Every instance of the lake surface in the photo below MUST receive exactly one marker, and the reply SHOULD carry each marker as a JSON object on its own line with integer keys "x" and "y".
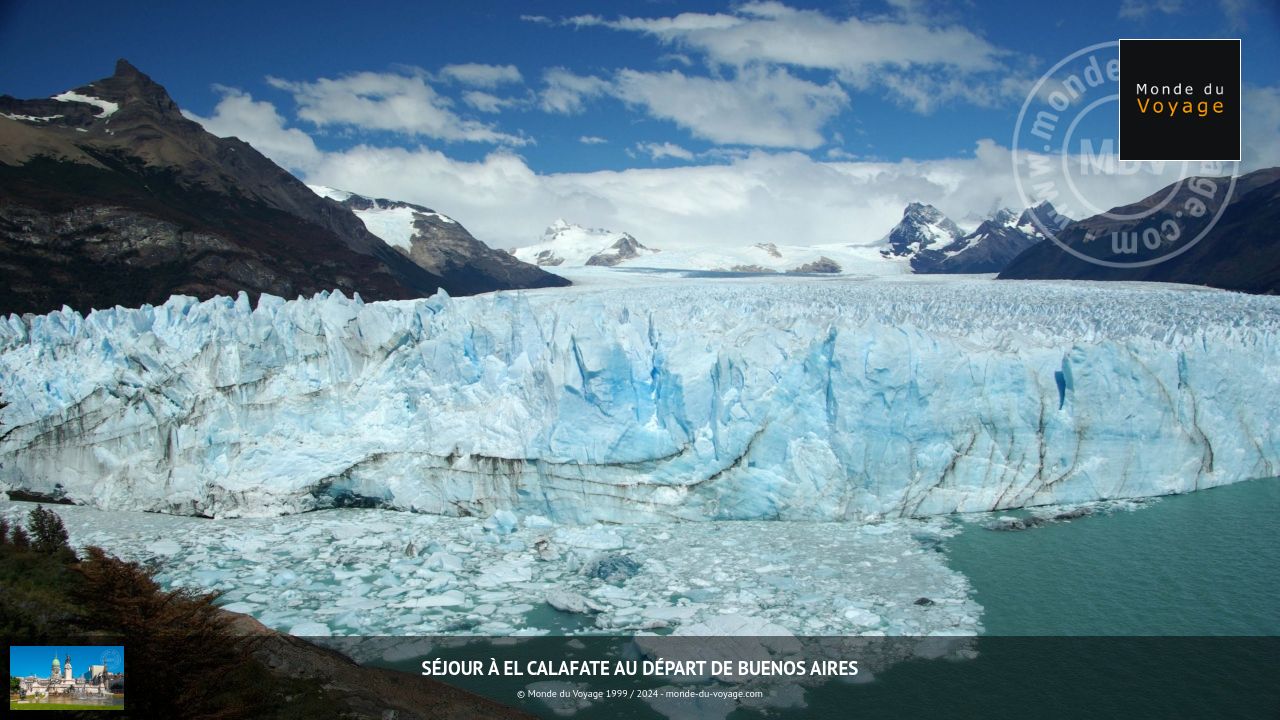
{"x": 1203, "y": 563}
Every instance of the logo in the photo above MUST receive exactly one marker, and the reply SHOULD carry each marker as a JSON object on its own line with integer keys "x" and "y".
{"x": 1065, "y": 152}
{"x": 112, "y": 658}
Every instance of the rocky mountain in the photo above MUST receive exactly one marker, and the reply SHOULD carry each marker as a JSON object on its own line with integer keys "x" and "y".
{"x": 569, "y": 245}
{"x": 935, "y": 244}
{"x": 108, "y": 195}
{"x": 922, "y": 227}
{"x": 440, "y": 244}
{"x": 993, "y": 244}
{"x": 1240, "y": 252}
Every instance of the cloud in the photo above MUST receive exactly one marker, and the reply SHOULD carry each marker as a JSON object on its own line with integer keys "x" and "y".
{"x": 759, "y": 106}
{"x": 389, "y": 102}
{"x": 565, "y": 92}
{"x": 1140, "y": 9}
{"x": 756, "y": 197}
{"x": 734, "y": 197}
{"x": 257, "y": 122}
{"x": 488, "y": 102}
{"x": 775, "y": 33}
{"x": 481, "y": 75}
{"x": 592, "y": 140}
{"x": 658, "y": 151}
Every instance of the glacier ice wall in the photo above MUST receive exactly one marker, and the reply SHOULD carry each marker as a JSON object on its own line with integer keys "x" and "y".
{"x": 788, "y": 399}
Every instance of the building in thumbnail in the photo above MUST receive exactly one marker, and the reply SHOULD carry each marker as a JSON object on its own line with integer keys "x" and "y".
{"x": 62, "y": 681}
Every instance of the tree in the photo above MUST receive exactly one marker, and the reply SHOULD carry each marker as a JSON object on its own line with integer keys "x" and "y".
{"x": 49, "y": 534}
{"x": 4, "y": 531}
{"x": 20, "y": 539}
{"x": 13, "y": 685}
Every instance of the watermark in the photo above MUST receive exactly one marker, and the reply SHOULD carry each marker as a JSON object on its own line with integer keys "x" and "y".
{"x": 1065, "y": 153}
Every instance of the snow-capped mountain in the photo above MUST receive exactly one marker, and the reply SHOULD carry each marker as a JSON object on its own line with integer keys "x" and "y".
{"x": 922, "y": 227}
{"x": 995, "y": 242}
{"x": 438, "y": 243}
{"x": 753, "y": 399}
{"x": 933, "y": 243}
{"x": 565, "y": 244}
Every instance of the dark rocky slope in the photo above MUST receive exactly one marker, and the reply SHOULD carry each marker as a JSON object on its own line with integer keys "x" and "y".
{"x": 112, "y": 197}
{"x": 1241, "y": 252}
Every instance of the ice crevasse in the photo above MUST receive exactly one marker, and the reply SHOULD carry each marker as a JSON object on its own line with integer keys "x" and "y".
{"x": 779, "y": 399}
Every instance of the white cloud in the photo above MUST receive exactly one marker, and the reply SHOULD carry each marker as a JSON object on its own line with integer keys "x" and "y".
{"x": 481, "y": 75}
{"x": 592, "y": 140}
{"x": 488, "y": 102}
{"x": 388, "y": 101}
{"x": 759, "y": 106}
{"x": 921, "y": 64}
{"x": 658, "y": 151}
{"x": 1140, "y": 9}
{"x": 746, "y": 197}
{"x": 784, "y": 197}
{"x": 773, "y": 32}
{"x": 257, "y": 123}
{"x": 565, "y": 91}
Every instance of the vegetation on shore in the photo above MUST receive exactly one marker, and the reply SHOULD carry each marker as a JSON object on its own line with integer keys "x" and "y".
{"x": 183, "y": 658}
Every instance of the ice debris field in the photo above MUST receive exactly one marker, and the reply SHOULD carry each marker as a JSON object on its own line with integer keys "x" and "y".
{"x": 356, "y": 572}
{"x": 787, "y": 399}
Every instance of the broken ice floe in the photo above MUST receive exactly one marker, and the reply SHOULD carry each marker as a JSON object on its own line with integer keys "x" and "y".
{"x": 345, "y": 573}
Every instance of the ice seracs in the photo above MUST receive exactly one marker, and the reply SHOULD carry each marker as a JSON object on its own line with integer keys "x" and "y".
{"x": 789, "y": 398}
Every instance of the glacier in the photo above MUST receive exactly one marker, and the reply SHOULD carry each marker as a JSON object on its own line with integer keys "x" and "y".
{"x": 744, "y": 399}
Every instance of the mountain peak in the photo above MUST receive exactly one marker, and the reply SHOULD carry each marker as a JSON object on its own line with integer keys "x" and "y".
{"x": 125, "y": 69}
{"x": 922, "y": 226}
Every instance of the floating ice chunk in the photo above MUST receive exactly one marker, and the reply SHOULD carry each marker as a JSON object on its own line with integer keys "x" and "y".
{"x": 284, "y": 577}
{"x": 310, "y": 629}
{"x": 503, "y": 522}
{"x": 164, "y": 547}
{"x": 859, "y": 616}
{"x": 445, "y": 599}
{"x": 544, "y": 550}
{"x": 572, "y": 602}
{"x": 537, "y": 522}
{"x": 504, "y": 572}
{"x": 613, "y": 568}
{"x": 441, "y": 560}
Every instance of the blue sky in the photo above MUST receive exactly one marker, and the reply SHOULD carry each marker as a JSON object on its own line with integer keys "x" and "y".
{"x": 509, "y": 114}
{"x": 27, "y": 660}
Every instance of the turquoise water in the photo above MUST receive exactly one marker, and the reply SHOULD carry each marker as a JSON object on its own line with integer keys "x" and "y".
{"x": 1168, "y": 611}
{"x": 1204, "y": 563}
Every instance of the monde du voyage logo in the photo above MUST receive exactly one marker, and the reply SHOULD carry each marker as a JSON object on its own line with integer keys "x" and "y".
{"x": 1176, "y": 126}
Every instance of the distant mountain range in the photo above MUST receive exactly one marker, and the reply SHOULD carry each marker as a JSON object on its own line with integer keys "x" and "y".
{"x": 108, "y": 195}
{"x": 1241, "y": 251}
{"x": 569, "y": 245}
{"x": 440, "y": 244}
{"x": 933, "y": 243}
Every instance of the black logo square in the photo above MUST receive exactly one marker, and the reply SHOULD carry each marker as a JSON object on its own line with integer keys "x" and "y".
{"x": 1180, "y": 100}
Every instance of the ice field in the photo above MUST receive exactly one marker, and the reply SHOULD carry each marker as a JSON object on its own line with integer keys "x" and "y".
{"x": 753, "y": 399}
